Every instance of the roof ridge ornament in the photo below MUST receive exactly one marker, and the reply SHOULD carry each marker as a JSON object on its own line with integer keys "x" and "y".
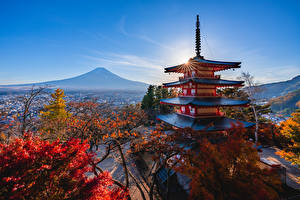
{"x": 198, "y": 39}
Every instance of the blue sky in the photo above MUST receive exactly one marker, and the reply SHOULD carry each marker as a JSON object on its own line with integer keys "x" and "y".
{"x": 57, "y": 39}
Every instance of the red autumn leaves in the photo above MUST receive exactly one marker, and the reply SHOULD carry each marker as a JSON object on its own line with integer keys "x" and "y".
{"x": 35, "y": 169}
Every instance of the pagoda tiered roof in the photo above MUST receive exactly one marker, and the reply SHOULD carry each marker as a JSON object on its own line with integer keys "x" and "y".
{"x": 204, "y": 101}
{"x": 214, "y": 62}
{"x": 197, "y": 62}
{"x": 218, "y": 123}
{"x": 206, "y": 81}
{"x": 198, "y": 106}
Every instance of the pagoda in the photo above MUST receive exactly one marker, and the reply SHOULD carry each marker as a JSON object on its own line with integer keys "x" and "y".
{"x": 198, "y": 103}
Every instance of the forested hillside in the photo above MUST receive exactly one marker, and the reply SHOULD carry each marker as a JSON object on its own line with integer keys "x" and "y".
{"x": 272, "y": 90}
{"x": 286, "y": 103}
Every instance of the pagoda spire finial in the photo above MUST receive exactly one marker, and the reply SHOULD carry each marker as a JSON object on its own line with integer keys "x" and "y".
{"x": 198, "y": 38}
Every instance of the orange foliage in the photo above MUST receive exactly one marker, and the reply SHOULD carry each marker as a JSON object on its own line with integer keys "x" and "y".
{"x": 101, "y": 124}
{"x": 219, "y": 166}
{"x": 290, "y": 134}
{"x": 227, "y": 171}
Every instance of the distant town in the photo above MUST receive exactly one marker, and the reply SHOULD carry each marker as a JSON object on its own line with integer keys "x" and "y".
{"x": 13, "y": 104}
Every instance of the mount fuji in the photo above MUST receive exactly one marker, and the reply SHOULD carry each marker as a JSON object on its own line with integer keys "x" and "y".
{"x": 97, "y": 79}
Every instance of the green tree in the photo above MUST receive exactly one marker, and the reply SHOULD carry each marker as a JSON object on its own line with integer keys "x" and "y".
{"x": 163, "y": 93}
{"x": 151, "y": 101}
{"x": 148, "y": 100}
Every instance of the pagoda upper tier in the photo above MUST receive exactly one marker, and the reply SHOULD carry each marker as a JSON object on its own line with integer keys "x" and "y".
{"x": 198, "y": 63}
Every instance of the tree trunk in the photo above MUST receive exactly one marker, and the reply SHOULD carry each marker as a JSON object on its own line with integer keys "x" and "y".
{"x": 124, "y": 164}
{"x": 256, "y": 124}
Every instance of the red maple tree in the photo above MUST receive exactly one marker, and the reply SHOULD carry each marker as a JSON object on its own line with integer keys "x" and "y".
{"x": 35, "y": 169}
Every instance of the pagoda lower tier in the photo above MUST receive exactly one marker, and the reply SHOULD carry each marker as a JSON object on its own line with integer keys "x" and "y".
{"x": 214, "y": 101}
{"x": 217, "y": 123}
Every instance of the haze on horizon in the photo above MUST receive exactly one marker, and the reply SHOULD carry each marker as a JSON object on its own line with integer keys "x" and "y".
{"x": 50, "y": 40}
